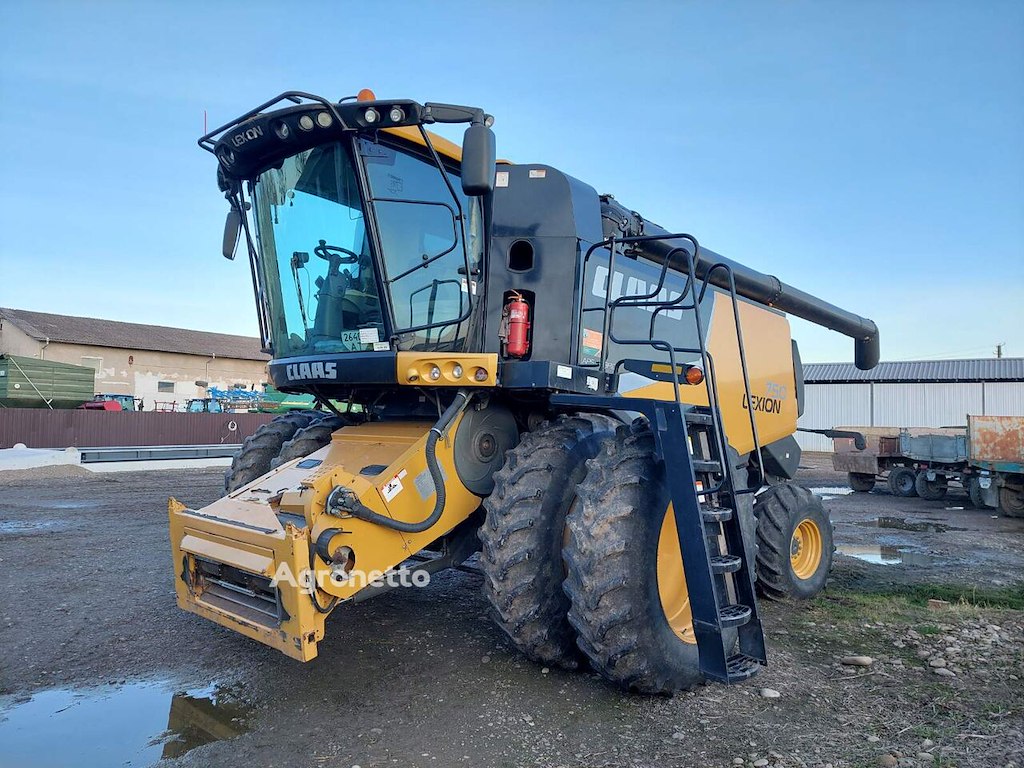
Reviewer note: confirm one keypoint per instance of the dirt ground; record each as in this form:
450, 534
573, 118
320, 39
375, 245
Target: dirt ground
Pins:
420, 677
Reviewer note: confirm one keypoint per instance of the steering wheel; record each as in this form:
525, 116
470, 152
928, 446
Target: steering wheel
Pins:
330, 253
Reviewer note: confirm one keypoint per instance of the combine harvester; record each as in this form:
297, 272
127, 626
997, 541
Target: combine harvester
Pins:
541, 371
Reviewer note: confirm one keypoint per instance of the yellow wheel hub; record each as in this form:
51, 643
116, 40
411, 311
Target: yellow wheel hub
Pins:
805, 549
675, 599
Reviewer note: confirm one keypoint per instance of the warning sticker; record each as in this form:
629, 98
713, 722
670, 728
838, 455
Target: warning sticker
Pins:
391, 488
425, 483
591, 342
538, 173
369, 335
592, 383
501, 179
563, 372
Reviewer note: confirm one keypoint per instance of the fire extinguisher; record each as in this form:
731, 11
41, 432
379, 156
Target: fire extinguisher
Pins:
515, 326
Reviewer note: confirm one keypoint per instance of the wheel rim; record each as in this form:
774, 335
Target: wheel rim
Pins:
675, 598
805, 549
905, 482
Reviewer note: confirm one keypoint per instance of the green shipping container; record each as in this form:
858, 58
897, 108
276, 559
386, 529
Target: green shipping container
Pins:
26, 382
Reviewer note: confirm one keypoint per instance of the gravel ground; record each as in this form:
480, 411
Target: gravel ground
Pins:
422, 678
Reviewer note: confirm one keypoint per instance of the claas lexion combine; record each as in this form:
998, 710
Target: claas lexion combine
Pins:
505, 362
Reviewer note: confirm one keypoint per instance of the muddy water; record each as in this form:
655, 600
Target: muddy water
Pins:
902, 524
886, 555
27, 528
831, 492
126, 725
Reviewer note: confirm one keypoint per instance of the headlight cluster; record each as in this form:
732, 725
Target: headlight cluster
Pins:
383, 115
447, 372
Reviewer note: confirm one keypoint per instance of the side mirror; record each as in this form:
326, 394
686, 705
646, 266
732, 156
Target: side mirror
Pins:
232, 228
478, 160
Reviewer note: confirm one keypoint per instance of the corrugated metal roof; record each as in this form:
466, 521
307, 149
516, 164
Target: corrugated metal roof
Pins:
111, 333
913, 371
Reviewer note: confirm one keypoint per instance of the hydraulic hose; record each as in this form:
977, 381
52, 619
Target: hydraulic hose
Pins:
342, 498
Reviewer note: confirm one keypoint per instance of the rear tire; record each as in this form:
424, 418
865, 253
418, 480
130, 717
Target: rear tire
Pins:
523, 532
861, 482
975, 493
902, 482
612, 570
1011, 502
259, 449
309, 440
930, 490
794, 534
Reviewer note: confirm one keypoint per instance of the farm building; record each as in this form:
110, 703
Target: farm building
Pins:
160, 365
925, 393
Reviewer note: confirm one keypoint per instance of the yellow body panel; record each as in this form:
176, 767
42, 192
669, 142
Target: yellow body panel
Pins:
769, 354
444, 147
383, 463
412, 134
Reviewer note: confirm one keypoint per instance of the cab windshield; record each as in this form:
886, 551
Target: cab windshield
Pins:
318, 267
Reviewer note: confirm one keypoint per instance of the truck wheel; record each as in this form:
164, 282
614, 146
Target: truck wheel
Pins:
309, 440
795, 547
932, 490
624, 573
902, 482
1011, 502
975, 493
861, 482
260, 448
523, 531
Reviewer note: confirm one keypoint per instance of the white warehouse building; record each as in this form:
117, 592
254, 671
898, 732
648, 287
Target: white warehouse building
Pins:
926, 393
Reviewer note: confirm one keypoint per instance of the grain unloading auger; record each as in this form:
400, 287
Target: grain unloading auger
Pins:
542, 375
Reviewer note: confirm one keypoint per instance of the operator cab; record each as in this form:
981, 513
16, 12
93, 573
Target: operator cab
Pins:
362, 236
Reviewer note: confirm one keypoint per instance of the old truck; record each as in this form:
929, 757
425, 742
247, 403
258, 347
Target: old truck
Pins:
986, 458
995, 446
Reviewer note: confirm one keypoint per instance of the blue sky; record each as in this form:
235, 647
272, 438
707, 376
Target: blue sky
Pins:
871, 153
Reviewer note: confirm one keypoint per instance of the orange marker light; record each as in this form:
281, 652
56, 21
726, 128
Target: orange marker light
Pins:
694, 375
366, 95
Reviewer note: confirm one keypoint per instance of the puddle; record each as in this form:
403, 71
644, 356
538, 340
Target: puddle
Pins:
831, 493
884, 555
68, 504
901, 524
127, 725
25, 528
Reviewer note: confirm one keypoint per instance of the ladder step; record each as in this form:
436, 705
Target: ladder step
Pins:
700, 466
734, 615
696, 417
726, 563
715, 514
741, 667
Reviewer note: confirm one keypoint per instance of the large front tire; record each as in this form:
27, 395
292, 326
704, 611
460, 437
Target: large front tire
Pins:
523, 531
795, 543
262, 446
309, 440
620, 546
